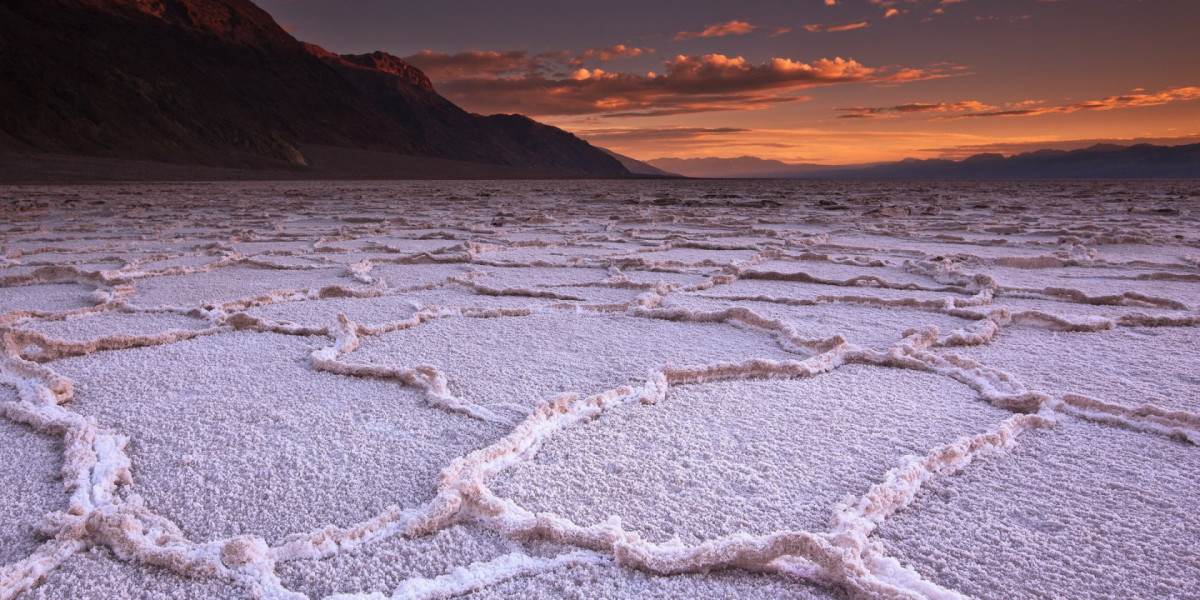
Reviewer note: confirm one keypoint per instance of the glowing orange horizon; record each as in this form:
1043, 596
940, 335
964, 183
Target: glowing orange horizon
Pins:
817, 81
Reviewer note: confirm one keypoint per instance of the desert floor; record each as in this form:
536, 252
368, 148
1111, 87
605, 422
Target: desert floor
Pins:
654, 389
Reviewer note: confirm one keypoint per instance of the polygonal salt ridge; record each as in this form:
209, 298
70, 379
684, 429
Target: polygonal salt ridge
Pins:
1173, 411
1081, 511
385, 563
117, 328
196, 459
842, 557
751, 455
736, 289
615, 582
29, 490
175, 263
683, 256
97, 574
240, 285
589, 288
832, 273
866, 324
889, 244
36, 288
135, 533
562, 328
93, 465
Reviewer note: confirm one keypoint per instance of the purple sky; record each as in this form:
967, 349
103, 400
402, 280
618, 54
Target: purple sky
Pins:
800, 80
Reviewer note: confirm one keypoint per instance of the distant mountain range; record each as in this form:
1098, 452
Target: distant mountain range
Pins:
740, 167
638, 167
219, 83
104, 89
1101, 161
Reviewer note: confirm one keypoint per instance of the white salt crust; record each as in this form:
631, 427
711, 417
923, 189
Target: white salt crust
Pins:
29, 485
1143, 365
650, 389
763, 456
1081, 511
231, 283
90, 326
553, 352
47, 298
96, 574
236, 434
866, 325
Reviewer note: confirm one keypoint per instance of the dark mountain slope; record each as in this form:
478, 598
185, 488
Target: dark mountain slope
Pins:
218, 82
404, 93
191, 81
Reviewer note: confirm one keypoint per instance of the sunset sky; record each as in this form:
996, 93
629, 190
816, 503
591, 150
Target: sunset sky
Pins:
822, 81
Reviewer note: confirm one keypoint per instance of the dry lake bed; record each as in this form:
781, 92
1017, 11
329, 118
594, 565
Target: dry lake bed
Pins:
582, 389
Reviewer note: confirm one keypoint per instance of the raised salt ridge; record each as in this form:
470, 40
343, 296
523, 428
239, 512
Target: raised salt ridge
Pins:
626, 389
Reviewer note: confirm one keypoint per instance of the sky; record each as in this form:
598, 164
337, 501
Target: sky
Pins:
802, 81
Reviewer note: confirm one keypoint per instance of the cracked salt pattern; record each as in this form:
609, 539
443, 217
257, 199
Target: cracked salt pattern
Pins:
647, 389
765, 455
1119, 521
254, 414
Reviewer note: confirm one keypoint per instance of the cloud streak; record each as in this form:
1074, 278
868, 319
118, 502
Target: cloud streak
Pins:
816, 28
882, 112
687, 84
729, 28
971, 109
609, 53
1110, 103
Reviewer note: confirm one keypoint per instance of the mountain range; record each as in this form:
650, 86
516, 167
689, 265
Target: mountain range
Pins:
218, 83
1100, 161
216, 89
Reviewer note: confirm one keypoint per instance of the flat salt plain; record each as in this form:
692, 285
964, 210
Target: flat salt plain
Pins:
649, 389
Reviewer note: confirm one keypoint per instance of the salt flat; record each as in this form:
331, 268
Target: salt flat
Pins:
628, 389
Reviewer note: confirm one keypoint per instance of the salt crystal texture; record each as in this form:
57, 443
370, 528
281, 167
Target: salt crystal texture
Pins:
620, 389
1080, 511
29, 487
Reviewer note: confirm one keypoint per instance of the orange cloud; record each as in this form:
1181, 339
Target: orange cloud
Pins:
973, 109
865, 112
833, 28
730, 28
609, 53
1110, 103
688, 84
